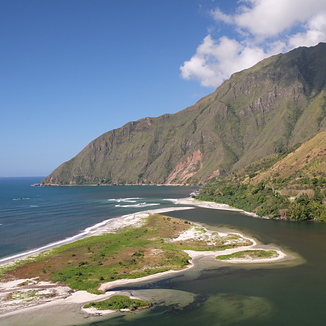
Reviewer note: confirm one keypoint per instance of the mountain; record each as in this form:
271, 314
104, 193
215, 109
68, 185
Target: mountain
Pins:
290, 185
306, 162
267, 109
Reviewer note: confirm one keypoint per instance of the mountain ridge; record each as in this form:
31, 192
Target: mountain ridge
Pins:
263, 110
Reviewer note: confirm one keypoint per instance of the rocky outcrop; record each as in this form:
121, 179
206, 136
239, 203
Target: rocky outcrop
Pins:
186, 170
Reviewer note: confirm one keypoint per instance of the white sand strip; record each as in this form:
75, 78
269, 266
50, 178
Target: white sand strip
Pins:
123, 282
212, 205
131, 220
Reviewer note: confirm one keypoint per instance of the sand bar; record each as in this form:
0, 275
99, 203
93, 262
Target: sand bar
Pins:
72, 298
212, 205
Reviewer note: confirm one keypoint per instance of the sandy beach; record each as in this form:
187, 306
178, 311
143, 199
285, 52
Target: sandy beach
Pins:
211, 205
54, 297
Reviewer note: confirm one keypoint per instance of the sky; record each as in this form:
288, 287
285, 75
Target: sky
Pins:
71, 70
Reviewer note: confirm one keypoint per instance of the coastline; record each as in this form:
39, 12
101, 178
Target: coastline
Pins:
113, 224
213, 205
107, 226
81, 298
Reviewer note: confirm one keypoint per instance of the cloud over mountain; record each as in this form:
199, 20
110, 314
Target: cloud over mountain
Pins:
261, 28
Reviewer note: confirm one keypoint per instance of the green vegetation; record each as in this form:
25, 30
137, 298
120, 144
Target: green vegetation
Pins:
131, 253
263, 200
249, 118
118, 302
253, 254
291, 185
29, 295
305, 208
259, 198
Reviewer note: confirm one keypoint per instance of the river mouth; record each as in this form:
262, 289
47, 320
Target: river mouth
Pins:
294, 293
222, 307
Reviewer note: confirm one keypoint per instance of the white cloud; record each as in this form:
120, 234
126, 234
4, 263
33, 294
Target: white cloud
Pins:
220, 15
263, 28
271, 17
314, 33
216, 61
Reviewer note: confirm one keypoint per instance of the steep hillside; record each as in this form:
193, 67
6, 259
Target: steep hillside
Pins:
290, 185
308, 161
264, 110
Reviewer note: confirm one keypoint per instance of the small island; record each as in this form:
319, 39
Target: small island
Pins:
114, 303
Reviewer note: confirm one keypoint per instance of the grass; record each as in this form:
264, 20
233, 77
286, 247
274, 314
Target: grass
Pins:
28, 296
251, 254
131, 253
118, 302
86, 263
264, 186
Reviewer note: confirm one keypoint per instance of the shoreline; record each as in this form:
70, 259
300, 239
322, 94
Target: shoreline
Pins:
112, 225
95, 184
106, 226
213, 205
115, 223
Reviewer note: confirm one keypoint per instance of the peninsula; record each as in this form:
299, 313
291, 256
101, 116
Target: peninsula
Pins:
126, 250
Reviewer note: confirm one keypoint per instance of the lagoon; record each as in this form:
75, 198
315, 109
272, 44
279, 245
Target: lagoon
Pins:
244, 294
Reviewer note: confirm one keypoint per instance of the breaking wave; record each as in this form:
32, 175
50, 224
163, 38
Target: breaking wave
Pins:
139, 205
125, 200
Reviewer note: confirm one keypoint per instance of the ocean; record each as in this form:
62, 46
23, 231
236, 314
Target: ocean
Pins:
32, 217
228, 294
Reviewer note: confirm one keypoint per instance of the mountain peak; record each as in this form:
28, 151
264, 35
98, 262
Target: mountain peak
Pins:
257, 112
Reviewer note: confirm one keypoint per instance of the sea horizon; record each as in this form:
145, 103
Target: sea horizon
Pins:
28, 212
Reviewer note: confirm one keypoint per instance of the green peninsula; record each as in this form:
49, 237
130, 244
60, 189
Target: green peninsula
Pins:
131, 253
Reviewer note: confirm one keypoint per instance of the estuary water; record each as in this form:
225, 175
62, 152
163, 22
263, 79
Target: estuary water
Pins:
245, 294
226, 294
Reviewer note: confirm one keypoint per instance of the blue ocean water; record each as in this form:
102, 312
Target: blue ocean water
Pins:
33, 217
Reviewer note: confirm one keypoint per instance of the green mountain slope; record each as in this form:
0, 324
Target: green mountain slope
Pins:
307, 161
260, 111
290, 185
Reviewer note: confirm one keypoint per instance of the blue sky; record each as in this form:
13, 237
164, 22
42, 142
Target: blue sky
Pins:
71, 70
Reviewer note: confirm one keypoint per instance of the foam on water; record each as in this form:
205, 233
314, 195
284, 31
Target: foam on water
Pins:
20, 198
138, 205
37, 218
125, 200
111, 225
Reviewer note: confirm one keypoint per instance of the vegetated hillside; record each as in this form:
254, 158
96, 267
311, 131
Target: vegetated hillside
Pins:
260, 111
307, 161
291, 185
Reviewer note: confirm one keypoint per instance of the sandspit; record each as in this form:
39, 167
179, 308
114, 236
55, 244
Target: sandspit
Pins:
108, 226
59, 295
211, 205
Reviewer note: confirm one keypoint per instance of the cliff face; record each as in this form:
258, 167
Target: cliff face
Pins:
266, 109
